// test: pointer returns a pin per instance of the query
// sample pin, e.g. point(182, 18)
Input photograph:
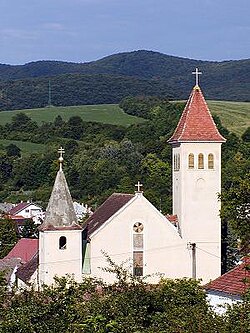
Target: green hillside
point(106, 113)
point(108, 80)
point(25, 146)
point(234, 115)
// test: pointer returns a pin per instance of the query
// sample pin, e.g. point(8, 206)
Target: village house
point(230, 287)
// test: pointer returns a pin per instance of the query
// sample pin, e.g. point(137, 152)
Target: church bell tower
point(196, 177)
point(60, 235)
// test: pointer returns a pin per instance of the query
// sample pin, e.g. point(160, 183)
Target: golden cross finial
point(197, 73)
point(138, 185)
point(61, 151)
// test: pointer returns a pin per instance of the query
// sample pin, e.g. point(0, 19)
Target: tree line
point(128, 305)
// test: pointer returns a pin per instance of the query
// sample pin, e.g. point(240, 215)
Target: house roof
point(25, 249)
point(234, 282)
point(172, 218)
point(8, 265)
point(115, 202)
point(196, 122)
point(60, 213)
point(25, 271)
point(18, 208)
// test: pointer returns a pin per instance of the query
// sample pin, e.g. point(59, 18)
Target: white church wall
point(197, 205)
point(163, 250)
point(54, 261)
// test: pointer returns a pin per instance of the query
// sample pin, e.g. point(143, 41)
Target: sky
point(87, 30)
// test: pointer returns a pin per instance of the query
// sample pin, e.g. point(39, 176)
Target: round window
point(138, 227)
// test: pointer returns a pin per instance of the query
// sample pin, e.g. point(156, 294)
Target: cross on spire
point(138, 185)
point(197, 73)
point(61, 151)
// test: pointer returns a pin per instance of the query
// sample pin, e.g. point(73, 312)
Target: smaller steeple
point(60, 213)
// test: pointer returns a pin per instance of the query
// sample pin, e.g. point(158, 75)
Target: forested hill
point(153, 73)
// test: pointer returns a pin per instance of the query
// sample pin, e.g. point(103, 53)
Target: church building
point(128, 228)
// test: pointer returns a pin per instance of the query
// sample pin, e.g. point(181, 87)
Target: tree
point(246, 135)
point(236, 209)
point(13, 151)
point(8, 236)
point(29, 229)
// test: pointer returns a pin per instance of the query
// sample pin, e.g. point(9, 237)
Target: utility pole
point(49, 99)
point(192, 247)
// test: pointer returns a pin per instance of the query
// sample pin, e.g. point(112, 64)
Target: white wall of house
point(219, 301)
point(30, 211)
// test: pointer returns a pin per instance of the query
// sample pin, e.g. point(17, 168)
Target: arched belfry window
point(200, 161)
point(191, 161)
point(62, 243)
point(210, 161)
point(138, 249)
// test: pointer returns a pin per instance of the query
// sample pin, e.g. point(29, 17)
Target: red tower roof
point(196, 122)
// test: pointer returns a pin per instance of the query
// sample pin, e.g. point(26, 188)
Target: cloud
point(53, 26)
point(18, 34)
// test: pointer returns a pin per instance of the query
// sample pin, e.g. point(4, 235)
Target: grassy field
point(234, 115)
point(26, 147)
point(105, 113)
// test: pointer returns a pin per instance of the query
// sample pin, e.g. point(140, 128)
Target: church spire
point(196, 123)
point(60, 213)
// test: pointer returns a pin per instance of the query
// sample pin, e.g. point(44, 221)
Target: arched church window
point(191, 161)
point(200, 161)
point(210, 161)
point(62, 243)
point(138, 249)
point(178, 162)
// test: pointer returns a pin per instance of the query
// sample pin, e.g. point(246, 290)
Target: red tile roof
point(196, 122)
point(115, 202)
point(25, 249)
point(234, 282)
point(172, 218)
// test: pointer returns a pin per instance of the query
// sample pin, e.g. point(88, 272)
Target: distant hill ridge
point(152, 72)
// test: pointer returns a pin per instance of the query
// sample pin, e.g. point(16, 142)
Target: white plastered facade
point(54, 261)
point(165, 253)
point(196, 203)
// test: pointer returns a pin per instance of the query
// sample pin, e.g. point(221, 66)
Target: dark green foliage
point(246, 135)
point(13, 151)
point(8, 236)
point(112, 78)
point(29, 229)
point(128, 305)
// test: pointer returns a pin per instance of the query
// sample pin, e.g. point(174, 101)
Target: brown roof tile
point(18, 208)
point(115, 202)
point(233, 282)
point(26, 271)
point(196, 122)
